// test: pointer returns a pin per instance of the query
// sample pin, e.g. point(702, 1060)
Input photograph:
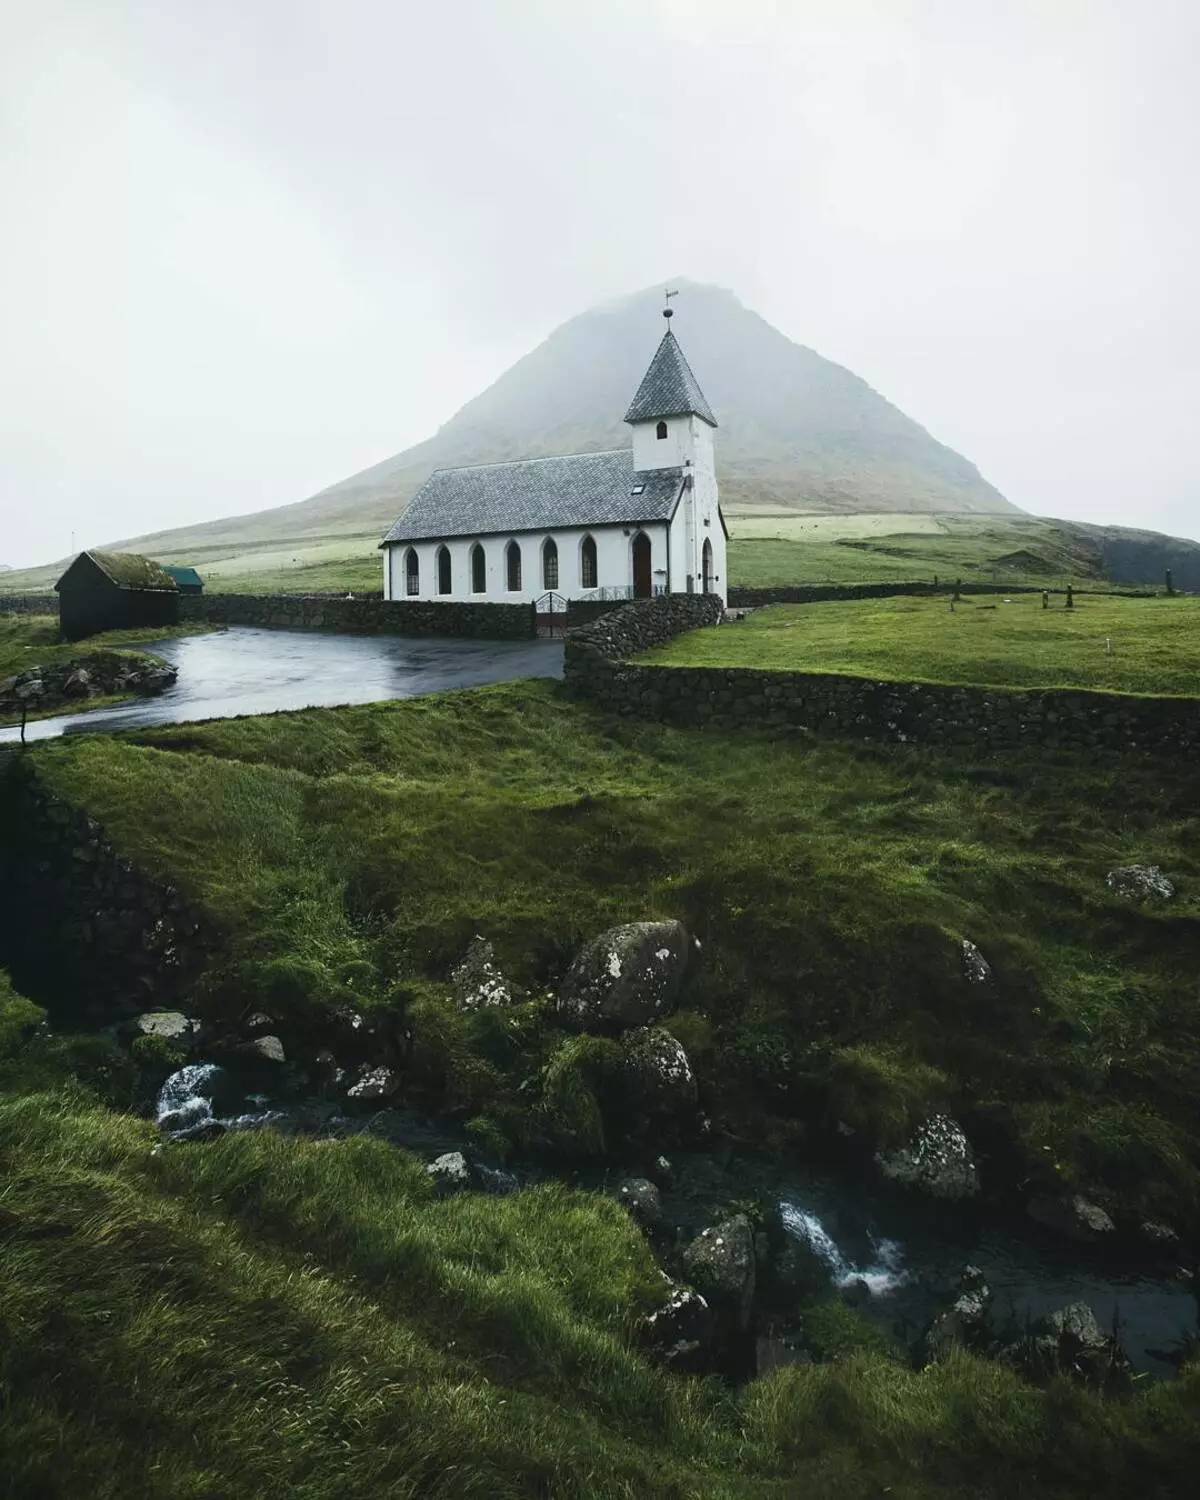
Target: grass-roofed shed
point(115, 591)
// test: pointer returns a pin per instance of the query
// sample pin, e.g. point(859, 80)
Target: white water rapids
point(882, 1275)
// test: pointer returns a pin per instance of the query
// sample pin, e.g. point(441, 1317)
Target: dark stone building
point(115, 591)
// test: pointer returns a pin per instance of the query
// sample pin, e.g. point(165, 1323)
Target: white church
point(627, 524)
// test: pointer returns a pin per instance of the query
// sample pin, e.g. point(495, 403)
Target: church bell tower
point(673, 427)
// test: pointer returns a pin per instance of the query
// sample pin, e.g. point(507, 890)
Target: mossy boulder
point(680, 1332)
point(477, 982)
point(628, 976)
point(938, 1160)
point(1071, 1215)
point(1140, 883)
point(1070, 1342)
point(658, 1076)
point(642, 1201)
point(720, 1263)
point(171, 1025)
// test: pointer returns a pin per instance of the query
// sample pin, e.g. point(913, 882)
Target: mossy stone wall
point(28, 604)
point(918, 713)
point(507, 622)
point(81, 928)
point(633, 628)
point(596, 665)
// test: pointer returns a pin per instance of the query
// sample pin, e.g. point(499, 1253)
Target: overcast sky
point(250, 246)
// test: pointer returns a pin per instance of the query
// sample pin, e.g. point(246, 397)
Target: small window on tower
point(662, 429)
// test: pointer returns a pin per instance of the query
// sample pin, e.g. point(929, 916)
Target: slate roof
point(538, 494)
point(668, 388)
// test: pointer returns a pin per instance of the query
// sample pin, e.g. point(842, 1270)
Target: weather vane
point(667, 313)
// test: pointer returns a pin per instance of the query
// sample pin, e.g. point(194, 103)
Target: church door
point(642, 583)
point(708, 572)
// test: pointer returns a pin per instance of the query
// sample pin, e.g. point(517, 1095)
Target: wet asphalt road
point(247, 671)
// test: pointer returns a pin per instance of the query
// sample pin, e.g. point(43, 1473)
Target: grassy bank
point(33, 640)
point(992, 641)
point(348, 856)
point(28, 641)
point(271, 1316)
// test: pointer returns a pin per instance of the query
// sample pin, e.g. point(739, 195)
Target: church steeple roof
point(668, 388)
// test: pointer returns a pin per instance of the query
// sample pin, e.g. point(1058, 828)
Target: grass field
point(348, 856)
point(995, 642)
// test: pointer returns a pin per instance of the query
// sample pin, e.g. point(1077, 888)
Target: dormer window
point(661, 430)
point(638, 489)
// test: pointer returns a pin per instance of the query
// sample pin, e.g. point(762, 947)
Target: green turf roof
point(129, 570)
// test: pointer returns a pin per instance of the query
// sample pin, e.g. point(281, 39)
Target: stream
point(907, 1250)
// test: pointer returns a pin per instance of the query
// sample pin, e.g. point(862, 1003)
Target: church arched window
point(707, 566)
point(587, 563)
point(478, 569)
point(661, 430)
point(443, 570)
point(549, 563)
point(412, 572)
point(512, 564)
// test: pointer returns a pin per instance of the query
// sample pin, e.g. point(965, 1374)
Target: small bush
point(574, 1084)
point(882, 1093)
point(445, 1057)
point(694, 1033)
point(156, 1054)
point(834, 1330)
point(19, 1019)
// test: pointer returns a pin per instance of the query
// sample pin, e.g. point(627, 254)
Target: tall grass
point(269, 1316)
point(348, 856)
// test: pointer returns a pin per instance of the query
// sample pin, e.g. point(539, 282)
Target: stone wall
point(596, 665)
point(590, 652)
point(81, 929)
point(28, 604)
point(918, 713)
point(361, 616)
point(585, 611)
point(819, 593)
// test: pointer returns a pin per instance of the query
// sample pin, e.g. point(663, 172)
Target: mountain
point(796, 431)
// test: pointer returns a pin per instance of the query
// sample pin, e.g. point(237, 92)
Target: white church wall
point(682, 552)
point(688, 438)
point(696, 521)
point(614, 564)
